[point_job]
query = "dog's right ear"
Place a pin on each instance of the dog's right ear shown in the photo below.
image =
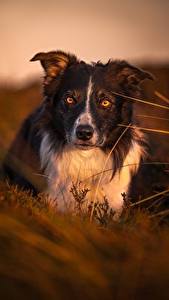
(54, 63)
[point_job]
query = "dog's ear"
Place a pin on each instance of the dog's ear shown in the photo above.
(131, 75)
(54, 63)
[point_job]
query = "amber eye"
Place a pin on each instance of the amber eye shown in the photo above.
(70, 101)
(105, 103)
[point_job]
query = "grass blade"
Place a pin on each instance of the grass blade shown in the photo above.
(141, 101)
(152, 117)
(162, 97)
(150, 197)
(146, 129)
(101, 176)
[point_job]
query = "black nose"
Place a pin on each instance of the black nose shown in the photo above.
(84, 132)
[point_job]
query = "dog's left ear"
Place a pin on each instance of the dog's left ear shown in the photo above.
(54, 63)
(131, 75)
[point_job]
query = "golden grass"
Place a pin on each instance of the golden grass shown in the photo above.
(162, 97)
(152, 117)
(49, 256)
(45, 255)
(102, 171)
(158, 163)
(150, 198)
(147, 102)
(146, 129)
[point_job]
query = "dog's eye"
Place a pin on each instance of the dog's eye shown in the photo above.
(70, 101)
(105, 103)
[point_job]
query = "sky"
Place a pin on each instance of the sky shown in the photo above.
(135, 30)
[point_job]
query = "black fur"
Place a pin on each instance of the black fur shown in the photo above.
(66, 76)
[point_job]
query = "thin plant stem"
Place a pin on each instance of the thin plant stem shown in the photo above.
(161, 213)
(128, 165)
(141, 101)
(149, 198)
(101, 175)
(146, 129)
(162, 97)
(152, 117)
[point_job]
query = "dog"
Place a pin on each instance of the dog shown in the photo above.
(82, 134)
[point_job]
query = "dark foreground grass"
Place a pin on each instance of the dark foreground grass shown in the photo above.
(44, 255)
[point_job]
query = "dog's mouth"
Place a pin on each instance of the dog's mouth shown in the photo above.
(84, 146)
(88, 146)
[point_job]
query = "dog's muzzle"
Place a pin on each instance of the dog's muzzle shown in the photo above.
(84, 137)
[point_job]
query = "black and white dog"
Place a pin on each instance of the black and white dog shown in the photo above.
(74, 136)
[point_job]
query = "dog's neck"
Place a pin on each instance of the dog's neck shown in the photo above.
(75, 164)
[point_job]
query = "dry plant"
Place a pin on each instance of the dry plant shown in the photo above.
(104, 167)
(79, 195)
(45, 255)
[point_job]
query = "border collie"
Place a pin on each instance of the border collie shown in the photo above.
(74, 136)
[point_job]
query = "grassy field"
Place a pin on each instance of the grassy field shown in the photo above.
(48, 256)
(44, 255)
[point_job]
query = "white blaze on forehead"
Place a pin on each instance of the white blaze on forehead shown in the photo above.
(89, 92)
(85, 117)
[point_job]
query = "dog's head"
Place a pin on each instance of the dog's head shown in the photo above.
(85, 107)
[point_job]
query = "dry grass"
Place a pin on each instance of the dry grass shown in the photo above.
(48, 256)
(45, 255)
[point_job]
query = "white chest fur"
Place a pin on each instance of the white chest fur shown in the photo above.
(89, 169)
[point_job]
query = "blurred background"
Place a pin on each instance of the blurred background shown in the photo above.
(42, 254)
(135, 30)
